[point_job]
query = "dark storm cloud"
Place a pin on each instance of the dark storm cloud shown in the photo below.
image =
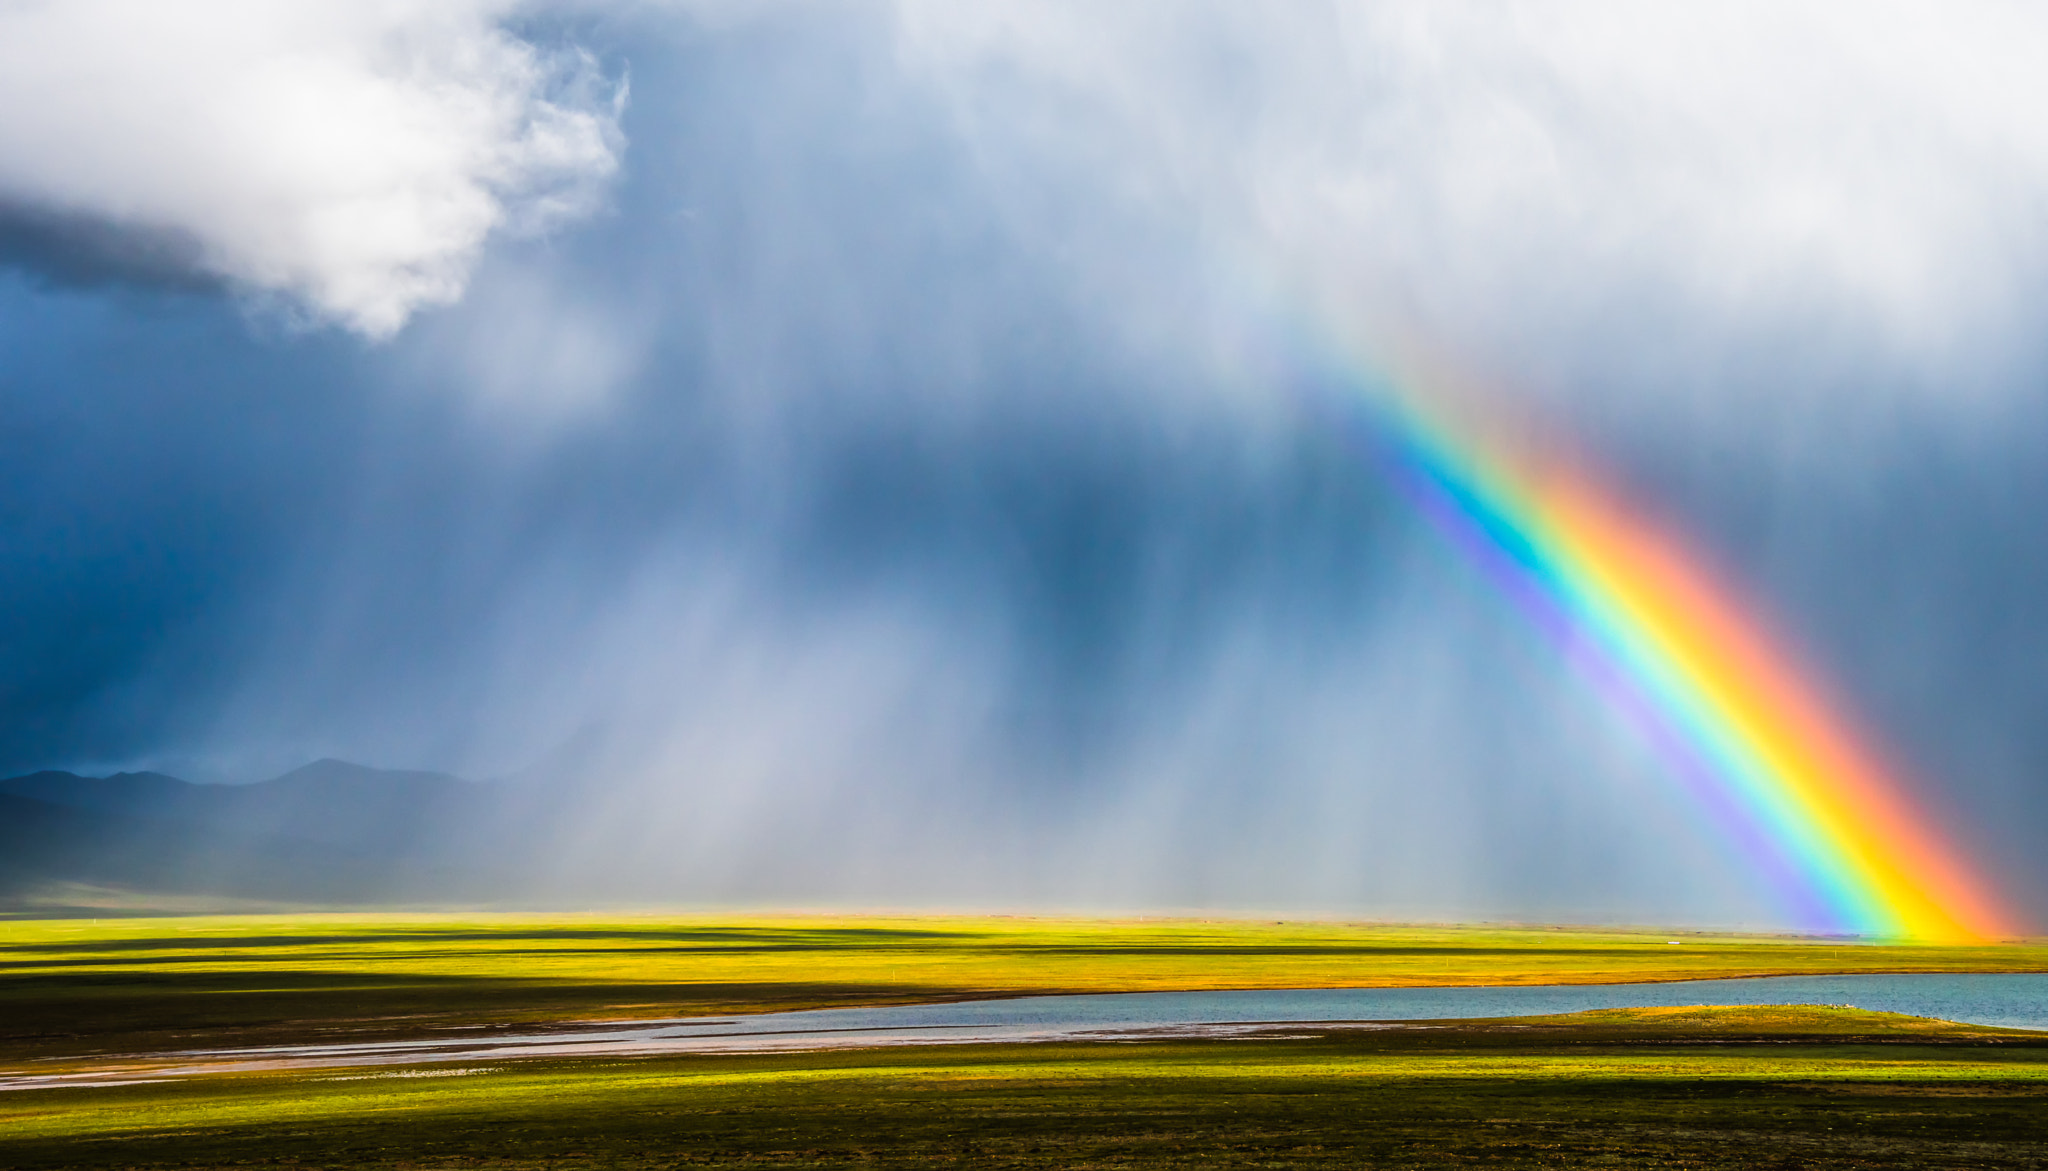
(891, 492)
(75, 251)
(153, 476)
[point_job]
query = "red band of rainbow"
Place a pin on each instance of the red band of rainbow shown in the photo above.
(1736, 719)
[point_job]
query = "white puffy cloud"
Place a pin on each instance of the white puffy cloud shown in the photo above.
(350, 155)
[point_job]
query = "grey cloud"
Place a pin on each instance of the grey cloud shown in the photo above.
(1513, 177)
(897, 494)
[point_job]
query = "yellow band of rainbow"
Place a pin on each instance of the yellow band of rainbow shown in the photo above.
(1734, 715)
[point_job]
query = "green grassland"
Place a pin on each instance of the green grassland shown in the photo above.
(77, 986)
(1827, 1088)
(1693, 1088)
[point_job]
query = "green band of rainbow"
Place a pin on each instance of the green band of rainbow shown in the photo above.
(1731, 713)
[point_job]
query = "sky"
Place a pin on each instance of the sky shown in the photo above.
(843, 453)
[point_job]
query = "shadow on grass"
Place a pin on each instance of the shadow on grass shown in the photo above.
(1329, 1102)
(49, 1015)
(794, 938)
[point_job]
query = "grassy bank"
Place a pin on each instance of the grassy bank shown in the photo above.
(78, 986)
(1654, 1088)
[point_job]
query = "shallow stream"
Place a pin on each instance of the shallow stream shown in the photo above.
(2010, 1001)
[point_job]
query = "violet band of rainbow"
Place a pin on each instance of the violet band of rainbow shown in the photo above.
(1782, 774)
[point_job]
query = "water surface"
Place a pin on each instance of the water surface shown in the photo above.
(2009, 1001)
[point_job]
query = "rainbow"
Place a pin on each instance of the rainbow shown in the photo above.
(1740, 725)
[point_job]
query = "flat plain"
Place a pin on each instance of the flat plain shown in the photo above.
(1741, 1087)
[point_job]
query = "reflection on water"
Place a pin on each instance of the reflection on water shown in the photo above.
(2011, 1001)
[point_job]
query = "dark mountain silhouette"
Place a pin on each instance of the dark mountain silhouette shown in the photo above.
(328, 832)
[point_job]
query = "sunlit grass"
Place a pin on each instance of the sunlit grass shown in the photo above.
(1656, 1087)
(80, 986)
(947, 953)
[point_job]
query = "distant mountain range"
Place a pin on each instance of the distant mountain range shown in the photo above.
(328, 832)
